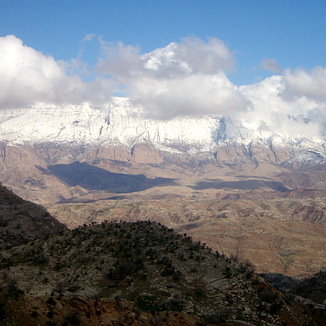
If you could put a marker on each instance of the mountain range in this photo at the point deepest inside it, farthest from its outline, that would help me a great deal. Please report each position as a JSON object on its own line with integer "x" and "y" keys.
{"x": 121, "y": 123}
{"x": 250, "y": 194}
{"x": 118, "y": 138}
{"x": 208, "y": 176}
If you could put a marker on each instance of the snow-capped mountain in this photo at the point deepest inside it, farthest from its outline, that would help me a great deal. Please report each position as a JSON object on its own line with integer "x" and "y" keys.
{"x": 38, "y": 142}
{"x": 121, "y": 123}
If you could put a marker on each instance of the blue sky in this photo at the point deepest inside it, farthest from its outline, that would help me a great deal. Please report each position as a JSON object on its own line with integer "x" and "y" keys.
{"x": 292, "y": 32}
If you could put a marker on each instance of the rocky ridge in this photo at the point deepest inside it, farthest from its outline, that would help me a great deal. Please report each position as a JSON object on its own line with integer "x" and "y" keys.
{"x": 282, "y": 235}
{"x": 141, "y": 267}
{"x": 22, "y": 221}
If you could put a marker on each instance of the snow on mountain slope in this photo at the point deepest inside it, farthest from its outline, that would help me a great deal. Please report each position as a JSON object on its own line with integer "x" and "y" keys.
{"x": 122, "y": 123}
{"x": 118, "y": 122}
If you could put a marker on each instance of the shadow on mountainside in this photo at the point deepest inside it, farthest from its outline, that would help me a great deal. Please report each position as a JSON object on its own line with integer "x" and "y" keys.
{"x": 94, "y": 178}
{"x": 242, "y": 184}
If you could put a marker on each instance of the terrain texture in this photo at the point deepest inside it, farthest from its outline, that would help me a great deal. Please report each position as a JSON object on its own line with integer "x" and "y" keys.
{"x": 249, "y": 194}
{"x": 312, "y": 288}
{"x": 119, "y": 272}
{"x": 22, "y": 221}
{"x": 259, "y": 194}
{"x": 134, "y": 273}
{"x": 279, "y": 235}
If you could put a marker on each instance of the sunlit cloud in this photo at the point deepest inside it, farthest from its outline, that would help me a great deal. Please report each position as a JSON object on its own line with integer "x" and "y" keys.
{"x": 197, "y": 94}
{"x": 190, "y": 56}
{"x": 186, "y": 78}
{"x": 274, "y": 108}
{"x": 29, "y": 76}
{"x": 304, "y": 83}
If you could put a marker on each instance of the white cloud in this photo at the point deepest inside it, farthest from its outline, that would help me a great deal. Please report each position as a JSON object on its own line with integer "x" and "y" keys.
{"x": 190, "y": 56}
{"x": 278, "y": 106}
{"x": 26, "y": 75}
{"x": 29, "y": 76}
{"x": 196, "y": 94}
{"x": 119, "y": 61}
{"x": 303, "y": 83}
{"x": 187, "y": 78}
{"x": 182, "y": 79}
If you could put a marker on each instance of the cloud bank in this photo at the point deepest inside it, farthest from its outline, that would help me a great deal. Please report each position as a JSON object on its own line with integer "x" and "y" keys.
{"x": 29, "y": 76}
{"x": 183, "y": 78}
{"x": 188, "y": 78}
{"x": 274, "y": 107}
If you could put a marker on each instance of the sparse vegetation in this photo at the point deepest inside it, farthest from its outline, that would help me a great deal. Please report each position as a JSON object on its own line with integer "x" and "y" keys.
{"x": 257, "y": 226}
{"x": 145, "y": 263}
{"x": 22, "y": 221}
{"x": 139, "y": 271}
